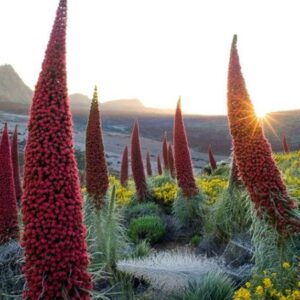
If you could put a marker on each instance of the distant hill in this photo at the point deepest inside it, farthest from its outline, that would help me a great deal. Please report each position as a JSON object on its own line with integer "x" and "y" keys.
{"x": 16, "y": 97}
{"x": 12, "y": 88}
{"x": 80, "y": 104}
{"x": 118, "y": 116}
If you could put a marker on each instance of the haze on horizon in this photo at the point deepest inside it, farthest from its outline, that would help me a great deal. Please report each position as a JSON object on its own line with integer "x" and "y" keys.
{"x": 160, "y": 49}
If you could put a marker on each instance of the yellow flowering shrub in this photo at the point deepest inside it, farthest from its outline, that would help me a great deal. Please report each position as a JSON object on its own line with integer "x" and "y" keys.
{"x": 124, "y": 195}
{"x": 165, "y": 193}
{"x": 289, "y": 165}
{"x": 282, "y": 283}
{"x": 212, "y": 187}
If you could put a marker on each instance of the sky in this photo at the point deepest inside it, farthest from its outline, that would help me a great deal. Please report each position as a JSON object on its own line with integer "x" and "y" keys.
{"x": 158, "y": 50}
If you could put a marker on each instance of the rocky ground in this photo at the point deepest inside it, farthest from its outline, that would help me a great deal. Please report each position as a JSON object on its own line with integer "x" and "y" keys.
{"x": 114, "y": 142}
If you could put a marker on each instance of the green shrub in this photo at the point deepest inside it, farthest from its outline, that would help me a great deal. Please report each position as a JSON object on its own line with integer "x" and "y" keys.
{"x": 160, "y": 180}
{"x": 107, "y": 236}
{"x": 150, "y": 228}
{"x": 189, "y": 212}
{"x": 280, "y": 282}
{"x": 213, "y": 286}
{"x": 233, "y": 212}
{"x": 142, "y": 249}
{"x": 11, "y": 278}
{"x": 222, "y": 169}
{"x": 195, "y": 240}
{"x": 140, "y": 210}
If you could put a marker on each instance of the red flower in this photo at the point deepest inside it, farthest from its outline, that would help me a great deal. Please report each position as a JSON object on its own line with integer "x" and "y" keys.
{"x": 15, "y": 164}
{"x": 96, "y": 169}
{"x": 183, "y": 163}
{"x": 148, "y": 165}
{"x": 254, "y": 155}
{"x": 137, "y": 165}
{"x": 171, "y": 161}
{"x": 124, "y": 167}
{"x": 55, "y": 250}
{"x": 9, "y": 228}
{"x": 159, "y": 168}
{"x": 285, "y": 144}
{"x": 211, "y": 158}
{"x": 165, "y": 151}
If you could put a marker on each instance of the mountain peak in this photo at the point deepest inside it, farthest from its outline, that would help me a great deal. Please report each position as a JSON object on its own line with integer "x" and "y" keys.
{"x": 12, "y": 87}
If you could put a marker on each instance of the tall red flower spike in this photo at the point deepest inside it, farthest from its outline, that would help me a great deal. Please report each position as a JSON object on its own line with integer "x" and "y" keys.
{"x": 165, "y": 151}
{"x": 211, "y": 158}
{"x": 96, "y": 169}
{"x": 9, "y": 228}
{"x": 55, "y": 250}
{"x": 148, "y": 165}
{"x": 183, "y": 162}
{"x": 124, "y": 167}
{"x": 137, "y": 165}
{"x": 285, "y": 144}
{"x": 159, "y": 168}
{"x": 15, "y": 164}
{"x": 254, "y": 155}
{"x": 171, "y": 161}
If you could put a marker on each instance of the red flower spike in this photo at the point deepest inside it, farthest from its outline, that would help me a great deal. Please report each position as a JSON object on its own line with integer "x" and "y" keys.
{"x": 55, "y": 250}
{"x": 15, "y": 164}
{"x": 9, "y": 228}
{"x": 211, "y": 158}
{"x": 171, "y": 161}
{"x": 137, "y": 165}
{"x": 285, "y": 144}
{"x": 148, "y": 165}
{"x": 165, "y": 152}
{"x": 96, "y": 169}
{"x": 183, "y": 162}
{"x": 124, "y": 167}
{"x": 159, "y": 168}
{"x": 254, "y": 155}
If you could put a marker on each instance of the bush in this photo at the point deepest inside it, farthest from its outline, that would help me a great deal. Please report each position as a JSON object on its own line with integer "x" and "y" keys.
{"x": 142, "y": 249}
{"x": 232, "y": 213}
{"x": 150, "y": 228}
{"x": 213, "y": 286}
{"x": 195, "y": 240}
{"x": 212, "y": 187}
{"x": 281, "y": 282}
{"x": 165, "y": 194}
{"x": 140, "y": 210}
{"x": 107, "y": 237}
{"x": 189, "y": 212}
{"x": 11, "y": 279}
{"x": 160, "y": 180}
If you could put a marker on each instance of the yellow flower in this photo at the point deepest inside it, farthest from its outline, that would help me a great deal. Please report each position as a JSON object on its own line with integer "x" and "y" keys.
{"x": 286, "y": 265}
{"x": 242, "y": 294}
{"x": 298, "y": 284}
{"x": 282, "y": 298}
{"x": 165, "y": 193}
{"x": 296, "y": 295}
{"x": 267, "y": 282}
{"x": 259, "y": 291}
{"x": 212, "y": 187}
{"x": 273, "y": 292}
{"x": 248, "y": 284}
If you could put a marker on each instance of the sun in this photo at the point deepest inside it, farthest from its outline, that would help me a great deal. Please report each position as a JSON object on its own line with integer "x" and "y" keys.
{"x": 261, "y": 112}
